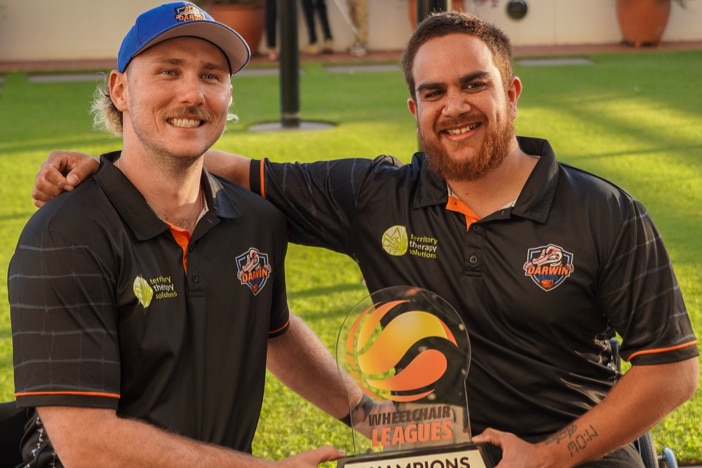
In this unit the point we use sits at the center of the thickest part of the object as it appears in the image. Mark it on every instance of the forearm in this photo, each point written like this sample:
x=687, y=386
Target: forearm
x=232, y=167
x=644, y=396
x=641, y=399
x=301, y=361
x=94, y=437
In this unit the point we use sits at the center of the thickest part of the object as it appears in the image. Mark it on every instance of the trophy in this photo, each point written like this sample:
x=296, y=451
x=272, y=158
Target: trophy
x=408, y=350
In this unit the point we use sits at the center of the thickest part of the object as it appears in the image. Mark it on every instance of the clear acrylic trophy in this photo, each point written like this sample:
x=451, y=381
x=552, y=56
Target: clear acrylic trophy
x=409, y=352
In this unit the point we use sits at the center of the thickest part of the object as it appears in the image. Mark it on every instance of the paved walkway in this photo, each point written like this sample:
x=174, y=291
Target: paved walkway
x=346, y=59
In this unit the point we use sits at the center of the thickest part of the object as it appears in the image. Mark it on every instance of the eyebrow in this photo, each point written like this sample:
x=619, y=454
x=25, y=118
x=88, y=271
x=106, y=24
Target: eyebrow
x=182, y=62
x=463, y=80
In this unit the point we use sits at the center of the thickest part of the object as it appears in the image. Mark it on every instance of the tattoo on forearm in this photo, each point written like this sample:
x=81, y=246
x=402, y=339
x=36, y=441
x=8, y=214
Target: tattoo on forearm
x=575, y=438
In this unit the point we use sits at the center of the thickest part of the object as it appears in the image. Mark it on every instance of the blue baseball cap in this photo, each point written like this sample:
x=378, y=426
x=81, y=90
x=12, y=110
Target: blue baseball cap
x=182, y=19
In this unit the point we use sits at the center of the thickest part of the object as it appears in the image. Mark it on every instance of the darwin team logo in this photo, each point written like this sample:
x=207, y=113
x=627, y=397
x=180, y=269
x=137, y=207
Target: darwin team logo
x=396, y=361
x=189, y=13
x=253, y=269
x=548, y=266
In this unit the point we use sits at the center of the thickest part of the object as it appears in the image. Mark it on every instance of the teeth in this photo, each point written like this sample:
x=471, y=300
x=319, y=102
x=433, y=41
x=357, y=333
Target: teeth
x=188, y=123
x=460, y=131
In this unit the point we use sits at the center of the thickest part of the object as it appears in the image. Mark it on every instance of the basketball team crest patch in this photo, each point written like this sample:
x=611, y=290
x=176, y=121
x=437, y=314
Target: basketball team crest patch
x=189, y=13
x=253, y=269
x=548, y=266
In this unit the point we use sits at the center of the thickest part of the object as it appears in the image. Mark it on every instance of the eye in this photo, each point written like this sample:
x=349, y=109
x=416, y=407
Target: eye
x=475, y=86
x=432, y=94
x=215, y=76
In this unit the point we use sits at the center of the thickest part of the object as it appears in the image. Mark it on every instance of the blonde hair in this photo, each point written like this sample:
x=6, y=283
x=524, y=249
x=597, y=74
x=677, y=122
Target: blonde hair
x=106, y=116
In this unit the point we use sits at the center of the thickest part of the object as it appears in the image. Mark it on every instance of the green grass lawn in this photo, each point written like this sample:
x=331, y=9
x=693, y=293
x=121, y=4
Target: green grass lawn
x=632, y=118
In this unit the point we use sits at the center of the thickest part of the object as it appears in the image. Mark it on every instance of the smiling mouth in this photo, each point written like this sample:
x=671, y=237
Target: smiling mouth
x=185, y=123
x=462, y=130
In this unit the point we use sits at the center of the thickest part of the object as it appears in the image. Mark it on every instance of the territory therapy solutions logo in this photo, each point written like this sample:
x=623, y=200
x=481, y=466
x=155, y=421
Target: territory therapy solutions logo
x=397, y=242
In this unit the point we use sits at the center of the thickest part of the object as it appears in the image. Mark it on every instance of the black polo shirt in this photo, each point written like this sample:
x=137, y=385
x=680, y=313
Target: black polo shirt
x=104, y=314
x=541, y=286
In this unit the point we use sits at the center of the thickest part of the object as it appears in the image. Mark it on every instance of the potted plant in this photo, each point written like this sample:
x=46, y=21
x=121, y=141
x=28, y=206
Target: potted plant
x=642, y=22
x=247, y=17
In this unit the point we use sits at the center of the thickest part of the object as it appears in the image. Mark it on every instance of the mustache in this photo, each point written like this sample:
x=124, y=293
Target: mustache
x=189, y=113
x=462, y=120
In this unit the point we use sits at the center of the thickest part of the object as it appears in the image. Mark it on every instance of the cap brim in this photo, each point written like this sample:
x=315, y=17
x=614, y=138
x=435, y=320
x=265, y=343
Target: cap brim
x=229, y=41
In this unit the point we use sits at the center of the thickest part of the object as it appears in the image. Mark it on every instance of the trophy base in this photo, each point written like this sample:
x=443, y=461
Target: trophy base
x=461, y=456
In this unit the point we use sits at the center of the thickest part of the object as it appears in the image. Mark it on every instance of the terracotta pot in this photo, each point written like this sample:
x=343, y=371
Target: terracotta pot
x=247, y=20
x=642, y=22
x=456, y=5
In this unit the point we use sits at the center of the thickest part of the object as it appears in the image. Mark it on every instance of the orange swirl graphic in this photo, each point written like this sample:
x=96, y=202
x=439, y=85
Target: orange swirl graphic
x=374, y=352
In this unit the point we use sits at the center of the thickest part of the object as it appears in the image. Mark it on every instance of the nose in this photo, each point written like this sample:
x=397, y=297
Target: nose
x=191, y=90
x=455, y=103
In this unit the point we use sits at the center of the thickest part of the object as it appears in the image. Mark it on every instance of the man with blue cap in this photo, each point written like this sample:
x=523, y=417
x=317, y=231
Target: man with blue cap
x=146, y=304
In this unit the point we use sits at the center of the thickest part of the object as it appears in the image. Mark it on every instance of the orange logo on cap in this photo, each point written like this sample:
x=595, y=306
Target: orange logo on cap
x=190, y=13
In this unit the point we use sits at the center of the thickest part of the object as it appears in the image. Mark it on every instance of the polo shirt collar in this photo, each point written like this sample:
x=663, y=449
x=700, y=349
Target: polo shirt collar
x=535, y=200
x=132, y=206
x=431, y=189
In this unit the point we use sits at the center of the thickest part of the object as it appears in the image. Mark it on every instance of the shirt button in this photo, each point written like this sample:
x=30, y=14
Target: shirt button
x=473, y=259
x=195, y=278
x=477, y=229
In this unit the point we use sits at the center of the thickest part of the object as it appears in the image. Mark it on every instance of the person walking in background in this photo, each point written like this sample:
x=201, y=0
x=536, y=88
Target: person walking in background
x=272, y=28
x=309, y=8
x=358, y=14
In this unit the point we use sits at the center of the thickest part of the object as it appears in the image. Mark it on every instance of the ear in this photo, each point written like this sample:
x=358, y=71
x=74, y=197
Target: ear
x=118, y=90
x=412, y=106
x=513, y=92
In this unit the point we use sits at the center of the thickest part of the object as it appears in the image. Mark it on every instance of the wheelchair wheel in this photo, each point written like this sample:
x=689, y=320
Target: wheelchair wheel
x=647, y=450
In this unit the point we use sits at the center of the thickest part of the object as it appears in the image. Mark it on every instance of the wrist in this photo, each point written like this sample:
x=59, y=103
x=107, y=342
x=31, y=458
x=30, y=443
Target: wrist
x=362, y=409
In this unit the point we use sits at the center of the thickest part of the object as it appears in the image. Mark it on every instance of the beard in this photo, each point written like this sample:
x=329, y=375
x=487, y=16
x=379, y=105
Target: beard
x=488, y=158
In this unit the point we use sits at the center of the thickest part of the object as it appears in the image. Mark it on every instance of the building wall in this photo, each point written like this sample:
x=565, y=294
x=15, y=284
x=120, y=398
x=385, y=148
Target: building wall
x=93, y=29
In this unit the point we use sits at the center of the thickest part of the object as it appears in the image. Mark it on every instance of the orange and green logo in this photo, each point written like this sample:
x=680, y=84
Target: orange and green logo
x=398, y=353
